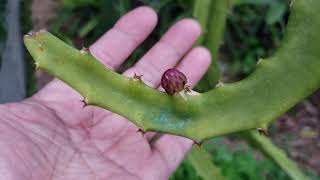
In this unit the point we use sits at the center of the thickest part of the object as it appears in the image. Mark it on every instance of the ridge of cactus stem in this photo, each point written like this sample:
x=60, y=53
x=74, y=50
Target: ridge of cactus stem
x=278, y=83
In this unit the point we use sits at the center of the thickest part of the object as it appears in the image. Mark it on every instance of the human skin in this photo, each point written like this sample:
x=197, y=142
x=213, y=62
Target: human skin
x=51, y=135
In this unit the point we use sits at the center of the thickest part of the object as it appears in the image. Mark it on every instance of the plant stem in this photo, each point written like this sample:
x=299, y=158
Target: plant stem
x=201, y=11
x=202, y=163
x=212, y=17
x=276, y=154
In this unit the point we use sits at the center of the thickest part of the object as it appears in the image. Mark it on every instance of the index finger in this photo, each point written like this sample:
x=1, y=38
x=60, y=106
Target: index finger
x=118, y=43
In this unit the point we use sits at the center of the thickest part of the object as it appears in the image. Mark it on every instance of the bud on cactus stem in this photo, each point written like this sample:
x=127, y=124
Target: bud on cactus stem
x=173, y=81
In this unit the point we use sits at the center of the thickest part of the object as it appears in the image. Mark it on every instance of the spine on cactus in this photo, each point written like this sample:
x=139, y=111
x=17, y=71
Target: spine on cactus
x=277, y=84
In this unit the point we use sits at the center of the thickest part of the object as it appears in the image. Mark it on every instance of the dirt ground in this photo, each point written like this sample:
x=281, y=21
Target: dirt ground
x=297, y=131
x=42, y=12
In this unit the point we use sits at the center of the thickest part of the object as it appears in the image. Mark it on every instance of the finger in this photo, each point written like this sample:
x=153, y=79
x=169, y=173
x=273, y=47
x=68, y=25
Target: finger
x=111, y=49
x=195, y=64
x=120, y=41
x=167, y=52
x=173, y=148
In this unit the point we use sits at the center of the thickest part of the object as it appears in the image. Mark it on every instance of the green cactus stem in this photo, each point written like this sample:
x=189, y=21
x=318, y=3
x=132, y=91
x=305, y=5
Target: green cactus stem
x=201, y=160
x=212, y=15
x=214, y=35
x=277, y=84
x=273, y=152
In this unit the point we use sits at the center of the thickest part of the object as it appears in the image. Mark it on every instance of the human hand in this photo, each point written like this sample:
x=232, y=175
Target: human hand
x=51, y=135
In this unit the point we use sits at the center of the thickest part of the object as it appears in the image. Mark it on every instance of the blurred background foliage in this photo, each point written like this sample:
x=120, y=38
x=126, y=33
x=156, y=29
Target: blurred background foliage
x=254, y=28
x=2, y=28
x=235, y=163
x=253, y=31
x=2, y=18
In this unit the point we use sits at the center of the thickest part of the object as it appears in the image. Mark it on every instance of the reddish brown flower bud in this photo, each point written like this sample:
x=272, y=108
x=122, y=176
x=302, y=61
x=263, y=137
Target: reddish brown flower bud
x=173, y=81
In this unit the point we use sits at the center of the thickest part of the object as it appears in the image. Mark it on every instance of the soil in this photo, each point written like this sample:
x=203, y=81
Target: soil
x=298, y=132
x=42, y=12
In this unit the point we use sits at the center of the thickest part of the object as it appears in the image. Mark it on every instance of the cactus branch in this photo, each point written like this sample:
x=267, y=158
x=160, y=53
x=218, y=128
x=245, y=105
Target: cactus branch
x=277, y=84
x=212, y=16
x=201, y=11
x=213, y=39
x=201, y=160
x=274, y=153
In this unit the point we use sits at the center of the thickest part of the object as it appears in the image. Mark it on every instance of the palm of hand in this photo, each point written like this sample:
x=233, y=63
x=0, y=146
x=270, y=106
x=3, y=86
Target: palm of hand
x=50, y=135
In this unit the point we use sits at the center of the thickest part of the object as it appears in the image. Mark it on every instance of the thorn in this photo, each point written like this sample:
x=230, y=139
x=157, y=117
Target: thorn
x=85, y=103
x=187, y=89
x=84, y=50
x=137, y=77
x=220, y=84
x=183, y=95
x=198, y=143
x=143, y=132
x=263, y=131
x=30, y=33
x=260, y=61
